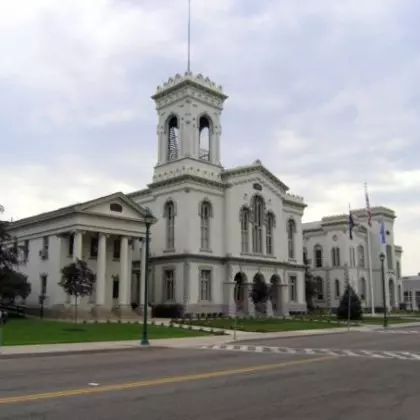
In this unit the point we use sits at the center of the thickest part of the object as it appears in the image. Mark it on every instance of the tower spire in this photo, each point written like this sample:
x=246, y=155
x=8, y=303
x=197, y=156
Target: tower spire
x=189, y=38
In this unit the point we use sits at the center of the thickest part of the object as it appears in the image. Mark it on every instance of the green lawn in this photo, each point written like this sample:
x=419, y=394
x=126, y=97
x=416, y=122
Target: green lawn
x=28, y=331
x=266, y=325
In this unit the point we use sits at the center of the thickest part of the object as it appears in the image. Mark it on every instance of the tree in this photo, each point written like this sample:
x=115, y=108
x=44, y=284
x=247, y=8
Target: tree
x=356, y=313
x=259, y=295
x=12, y=282
x=310, y=285
x=78, y=280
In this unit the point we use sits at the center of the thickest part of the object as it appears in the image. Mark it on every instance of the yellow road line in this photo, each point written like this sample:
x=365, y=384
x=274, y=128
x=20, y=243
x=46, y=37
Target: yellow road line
x=161, y=381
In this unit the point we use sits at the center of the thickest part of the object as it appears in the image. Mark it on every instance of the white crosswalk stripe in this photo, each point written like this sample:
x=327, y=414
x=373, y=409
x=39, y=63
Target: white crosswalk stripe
x=393, y=331
x=376, y=354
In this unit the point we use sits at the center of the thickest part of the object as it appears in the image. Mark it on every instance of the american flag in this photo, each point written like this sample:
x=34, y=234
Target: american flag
x=369, y=212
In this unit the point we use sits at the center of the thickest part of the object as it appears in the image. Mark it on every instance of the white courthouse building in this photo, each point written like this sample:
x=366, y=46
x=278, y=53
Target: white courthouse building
x=332, y=254
x=217, y=230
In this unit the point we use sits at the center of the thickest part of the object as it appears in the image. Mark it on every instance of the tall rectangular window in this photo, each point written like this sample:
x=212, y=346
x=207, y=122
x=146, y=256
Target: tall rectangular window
x=169, y=285
x=293, y=288
x=205, y=285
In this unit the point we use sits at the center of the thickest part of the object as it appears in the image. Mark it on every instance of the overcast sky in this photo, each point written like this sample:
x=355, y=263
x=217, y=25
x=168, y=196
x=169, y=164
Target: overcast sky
x=325, y=93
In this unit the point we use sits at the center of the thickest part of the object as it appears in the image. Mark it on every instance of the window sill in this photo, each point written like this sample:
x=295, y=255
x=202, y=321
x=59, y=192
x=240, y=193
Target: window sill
x=208, y=251
x=93, y=258
x=115, y=259
x=257, y=255
x=168, y=251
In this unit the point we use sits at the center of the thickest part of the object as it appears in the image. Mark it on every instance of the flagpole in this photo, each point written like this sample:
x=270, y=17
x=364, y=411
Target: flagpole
x=372, y=299
x=369, y=246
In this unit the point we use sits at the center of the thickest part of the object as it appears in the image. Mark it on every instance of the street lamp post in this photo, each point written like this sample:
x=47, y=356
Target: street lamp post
x=382, y=258
x=148, y=221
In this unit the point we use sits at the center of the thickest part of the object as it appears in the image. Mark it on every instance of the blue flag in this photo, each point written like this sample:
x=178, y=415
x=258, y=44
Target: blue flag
x=382, y=233
x=351, y=225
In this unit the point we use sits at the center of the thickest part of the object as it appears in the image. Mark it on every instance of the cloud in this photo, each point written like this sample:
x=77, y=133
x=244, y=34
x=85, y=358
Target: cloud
x=325, y=93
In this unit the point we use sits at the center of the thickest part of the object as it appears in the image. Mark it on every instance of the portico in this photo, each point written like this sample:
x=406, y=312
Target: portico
x=108, y=233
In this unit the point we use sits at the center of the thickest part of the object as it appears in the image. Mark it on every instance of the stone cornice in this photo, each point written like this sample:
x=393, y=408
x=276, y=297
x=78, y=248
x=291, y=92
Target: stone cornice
x=189, y=80
x=226, y=260
x=185, y=178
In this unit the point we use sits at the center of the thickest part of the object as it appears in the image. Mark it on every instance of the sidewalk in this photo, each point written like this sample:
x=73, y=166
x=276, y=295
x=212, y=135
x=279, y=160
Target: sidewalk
x=8, y=352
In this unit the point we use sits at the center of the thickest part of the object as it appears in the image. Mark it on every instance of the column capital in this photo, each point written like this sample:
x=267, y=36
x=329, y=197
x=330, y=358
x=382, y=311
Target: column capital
x=106, y=235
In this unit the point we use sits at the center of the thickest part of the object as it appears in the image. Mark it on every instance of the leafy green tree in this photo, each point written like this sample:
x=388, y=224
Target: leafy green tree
x=356, y=313
x=12, y=283
x=259, y=295
x=77, y=280
x=310, y=285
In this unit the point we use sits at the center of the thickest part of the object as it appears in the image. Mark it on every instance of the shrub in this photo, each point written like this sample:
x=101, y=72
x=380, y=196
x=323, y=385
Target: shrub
x=356, y=313
x=174, y=310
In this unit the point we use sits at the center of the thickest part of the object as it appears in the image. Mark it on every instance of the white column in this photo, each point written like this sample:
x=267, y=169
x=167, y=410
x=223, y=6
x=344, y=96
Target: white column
x=124, y=280
x=284, y=295
x=143, y=301
x=78, y=245
x=101, y=271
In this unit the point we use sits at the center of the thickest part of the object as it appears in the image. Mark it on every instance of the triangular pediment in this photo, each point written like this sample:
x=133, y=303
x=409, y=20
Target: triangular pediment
x=116, y=205
x=256, y=175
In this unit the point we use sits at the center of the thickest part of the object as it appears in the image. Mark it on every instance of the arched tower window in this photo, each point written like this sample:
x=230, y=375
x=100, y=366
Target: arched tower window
x=335, y=256
x=245, y=219
x=258, y=221
x=362, y=288
x=173, y=139
x=205, y=214
x=169, y=214
x=270, y=224
x=318, y=257
x=291, y=230
x=204, y=133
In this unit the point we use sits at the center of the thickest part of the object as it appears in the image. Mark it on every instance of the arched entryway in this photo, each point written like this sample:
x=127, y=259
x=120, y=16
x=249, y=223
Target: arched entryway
x=274, y=293
x=259, y=294
x=240, y=292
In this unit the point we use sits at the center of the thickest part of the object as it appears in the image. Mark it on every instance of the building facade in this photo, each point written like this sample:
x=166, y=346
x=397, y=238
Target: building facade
x=108, y=233
x=411, y=288
x=335, y=259
x=217, y=231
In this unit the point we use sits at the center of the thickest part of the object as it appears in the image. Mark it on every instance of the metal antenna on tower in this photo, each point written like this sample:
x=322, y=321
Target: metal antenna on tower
x=189, y=37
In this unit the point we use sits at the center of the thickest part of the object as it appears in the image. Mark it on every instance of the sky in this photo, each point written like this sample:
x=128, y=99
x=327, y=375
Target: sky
x=325, y=93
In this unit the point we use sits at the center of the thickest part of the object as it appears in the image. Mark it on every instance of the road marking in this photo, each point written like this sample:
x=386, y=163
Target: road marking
x=160, y=381
x=377, y=354
x=392, y=331
x=93, y=384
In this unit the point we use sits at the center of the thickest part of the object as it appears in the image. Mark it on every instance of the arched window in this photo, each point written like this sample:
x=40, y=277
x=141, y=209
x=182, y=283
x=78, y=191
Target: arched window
x=204, y=133
x=361, y=256
x=337, y=289
x=270, y=233
x=205, y=214
x=169, y=213
x=291, y=230
x=258, y=220
x=319, y=288
x=173, y=139
x=335, y=256
x=318, y=255
x=244, y=218
x=363, y=288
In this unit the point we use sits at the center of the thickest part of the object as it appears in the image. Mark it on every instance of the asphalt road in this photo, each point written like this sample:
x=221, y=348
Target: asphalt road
x=201, y=384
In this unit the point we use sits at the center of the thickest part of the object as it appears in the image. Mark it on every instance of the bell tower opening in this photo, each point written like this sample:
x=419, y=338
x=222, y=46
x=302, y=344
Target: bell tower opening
x=204, y=134
x=172, y=139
